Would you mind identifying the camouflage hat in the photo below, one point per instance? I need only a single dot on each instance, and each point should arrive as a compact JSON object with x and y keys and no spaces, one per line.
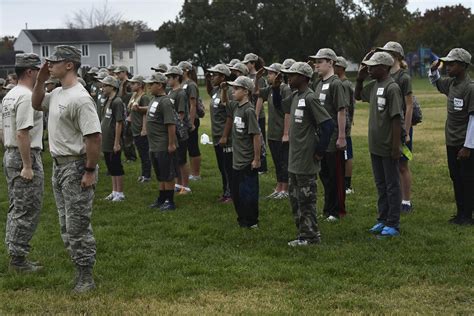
{"x":275,"y":67}
{"x":325,"y":53}
{"x":9,"y":86}
{"x":341,"y":62}
{"x":103,"y":69}
{"x":240,"y":67}
{"x":288,"y":63}
{"x":160,"y":67}
{"x":458,"y":54}
{"x":65,"y":52}
{"x":174,"y":70}
{"x":233,"y":62}
{"x":111,"y":67}
{"x":136,"y":78}
{"x":250,"y":57}
{"x":156,"y":78}
{"x":120,"y":69}
{"x":93,"y":70}
{"x":185,"y":66}
{"x":243,"y":82}
{"x":81,"y":81}
{"x":392,"y":47}
{"x":101,"y":75}
{"x":220,"y":68}
{"x":379,"y":58}
{"x":52,"y":80}
{"x":110,"y":81}
{"x":2,"y":82}
{"x":300,"y":68}
{"x":27,"y":61}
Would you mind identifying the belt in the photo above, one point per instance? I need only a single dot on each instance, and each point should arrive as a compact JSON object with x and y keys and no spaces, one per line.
{"x":61,"y":160}
{"x":16,"y":149}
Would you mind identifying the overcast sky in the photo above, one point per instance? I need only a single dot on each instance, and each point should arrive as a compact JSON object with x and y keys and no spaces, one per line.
{"x":40,"y":14}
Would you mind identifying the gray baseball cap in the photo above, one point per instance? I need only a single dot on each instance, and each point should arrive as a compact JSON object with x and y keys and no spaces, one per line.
{"x":120,"y":69}
{"x":101,"y":75}
{"x":174,"y":70}
{"x":379,"y":58}
{"x":160,"y":68}
{"x":136,"y":78}
{"x":392,"y":47}
{"x":325,"y":53}
{"x":220,"y":68}
{"x":300,"y":68}
{"x":66,"y":53}
{"x":288,"y":63}
{"x":250,"y":57}
{"x":458,"y":54}
{"x":275,"y":67}
{"x":233,"y":62}
{"x":156,"y":78}
{"x":185,"y":66}
{"x":341,"y":62}
{"x":243,"y":82}
{"x":93,"y":70}
{"x":110,"y":81}
{"x":27,"y":61}
{"x":240,"y":67}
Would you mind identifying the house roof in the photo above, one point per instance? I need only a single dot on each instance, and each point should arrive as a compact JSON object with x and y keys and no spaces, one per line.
{"x":58,"y":36}
{"x":146,"y":37}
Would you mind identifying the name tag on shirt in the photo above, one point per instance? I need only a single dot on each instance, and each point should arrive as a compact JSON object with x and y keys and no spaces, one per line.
{"x":216,"y":102}
{"x":380,"y":91}
{"x":458,"y":104}
{"x":301,"y":103}
{"x":299,"y":116}
{"x":322,"y":96}
{"x":153,"y":107}
{"x":185,"y":86}
{"x":381,"y":103}
{"x":325,"y":86}
{"x":108,"y":113}
{"x":239,"y":124}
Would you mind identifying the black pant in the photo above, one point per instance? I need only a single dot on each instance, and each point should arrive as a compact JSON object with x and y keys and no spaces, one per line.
{"x":462,"y":175}
{"x":332,"y":176}
{"x":193,"y":141}
{"x":224,"y":162}
{"x":263,"y":157}
{"x":280,"y":151}
{"x":387,"y":181}
{"x":245,"y":195}
{"x":143,"y":150}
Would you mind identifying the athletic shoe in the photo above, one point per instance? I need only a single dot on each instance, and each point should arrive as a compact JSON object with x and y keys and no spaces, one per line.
{"x":332,"y":219}
{"x":140,"y":179}
{"x":350,"y":191}
{"x":167,"y":206}
{"x":109,"y":197}
{"x":156,"y":204}
{"x":184,"y":191}
{"x":177,"y":187}
{"x":461,"y":221}
{"x":377,"y":228}
{"x":118,"y":198}
{"x":144,"y":179}
{"x":301,"y":242}
{"x":388,"y":231}
{"x":255,"y":226}
{"x":194,"y":178}
{"x":407,"y":208}
{"x":282,"y":195}
{"x":273,"y":195}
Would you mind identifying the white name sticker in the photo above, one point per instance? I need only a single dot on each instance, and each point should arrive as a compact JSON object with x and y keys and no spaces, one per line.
{"x":458,"y":104}
{"x":380,"y":91}
{"x":322,"y":96}
{"x":381,"y":103}
{"x":216,"y":102}
{"x":214,"y":96}
{"x":153,"y":107}
{"x":301,"y":103}
{"x":237,"y":120}
{"x":325,"y":86}
{"x":108,"y":113}
{"x":185,"y":86}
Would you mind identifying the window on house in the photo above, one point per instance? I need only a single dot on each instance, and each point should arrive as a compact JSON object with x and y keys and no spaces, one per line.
{"x":45,"y":51}
{"x":102,"y":60}
{"x":131,"y":70}
{"x":85,"y":50}
{"x":130,"y":54}
{"x":120,"y":55}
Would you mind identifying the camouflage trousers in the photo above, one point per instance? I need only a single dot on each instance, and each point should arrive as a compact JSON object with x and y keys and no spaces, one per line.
{"x":302,"y":191}
{"x":26,"y":199}
{"x":74,"y":205}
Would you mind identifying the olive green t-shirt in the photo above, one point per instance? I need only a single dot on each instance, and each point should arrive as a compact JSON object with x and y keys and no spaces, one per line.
{"x":306,"y":114}
{"x":135,"y":116}
{"x":276,"y":116}
{"x":244,"y":127}
{"x":114,"y":113}
{"x":349,"y":91}
{"x":262,"y":83}
{"x":386,"y":103}
{"x":331,"y":95}
{"x":180,"y":101}
{"x":403,"y":79}
{"x":160,"y":114}
{"x":460,"y":105}
{"x":219,"y":113}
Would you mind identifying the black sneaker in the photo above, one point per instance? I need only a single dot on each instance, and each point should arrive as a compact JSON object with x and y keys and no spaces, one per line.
{"x":167,"y":206}
{"x":407,"y":208}
{"x":156,"y":204}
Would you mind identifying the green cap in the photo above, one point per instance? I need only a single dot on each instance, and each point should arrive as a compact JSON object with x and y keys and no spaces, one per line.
{"x":174,"y":70}
{"x":27,"y":60}
{"x":458,"y":54}
{"x":325,"y":53}
{"x":120,"y":69}
{"x":93,"y":70}
{"x":341,"y":62}
{"x":220,"y":68}
{"x":379,"y":58}
{"x":185,"y":66}
{"x":110,"y":81}
{"x":233,"y":62}
{"x":243,"y":82}
{"x":275,"y":67}
{"x":288,"y":63}
{"x":156,"y":77}
{"x":300,"y":68}
{"x":250,"y":57}
{"x":240,"y":67}
{"x":392,"y":47}
{"x":160,"y":68}
{"x":136,"y":78}
{"x":66,"y":53}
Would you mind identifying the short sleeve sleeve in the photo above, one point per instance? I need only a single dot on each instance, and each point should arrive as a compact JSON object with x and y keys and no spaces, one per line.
{"x":192,"y":91}
{"x":168,"y":115}
{"x":318,"y":112}
{"x":252,"y":121}
{"x":118,"y":109}
{"x":264,"y":93}
{"x":24,"y":113}
{"x":394,"y":96}
{"x":405,"y":85}
{"x":340,"y":100}
{"x":87,"y":117}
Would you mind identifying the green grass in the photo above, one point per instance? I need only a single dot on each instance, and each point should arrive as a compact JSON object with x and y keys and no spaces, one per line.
{"x":196,"y":260}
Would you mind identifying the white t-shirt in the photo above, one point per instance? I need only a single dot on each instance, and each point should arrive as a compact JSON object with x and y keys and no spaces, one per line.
{"x":18,"y":114}
{"x":72,"y":115}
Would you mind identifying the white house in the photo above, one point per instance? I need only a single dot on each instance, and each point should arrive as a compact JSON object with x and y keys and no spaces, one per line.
{"x":125,"y":55}
{"x":147,"y":54}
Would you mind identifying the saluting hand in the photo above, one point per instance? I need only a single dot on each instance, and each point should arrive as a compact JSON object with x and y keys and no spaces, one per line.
{"x":43,"y":73}
{"x":224,"y":85}
{"x":259,"y":74}
{"x":277,"y":81}
{"x":435,"y":65}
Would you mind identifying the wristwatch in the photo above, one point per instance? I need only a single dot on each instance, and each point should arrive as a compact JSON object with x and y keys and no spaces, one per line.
{"x":89,"y":169}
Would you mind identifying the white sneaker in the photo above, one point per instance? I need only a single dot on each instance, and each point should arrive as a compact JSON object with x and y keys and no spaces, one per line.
{"x":350,"y":191}
{"x":177,"y":187}
{"x":298,"y":242}
{"x":331,"y":219}
{"x":194,"y":178}
{"x":273,"y":195}
{"x":109,"y":197}
{"x":282,"y":195}
{"x":119,"y":198}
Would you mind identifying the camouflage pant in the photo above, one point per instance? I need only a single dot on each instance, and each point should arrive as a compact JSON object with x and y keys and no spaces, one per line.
{"x":302,"y":190}
{"x":26,"y":199}
{"x":74,"y":209}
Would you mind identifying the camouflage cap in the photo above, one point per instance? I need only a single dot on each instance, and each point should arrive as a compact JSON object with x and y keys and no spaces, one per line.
{"x":2,"y":82}
{"x":243,"y":82}
{"x":160,"y":67}
{"x":300,"y":68}
{"x":341,"y":62}
{"x":379,"y":58}
{"x":156,"y":78}
{"x":233,"y":62}
{"x":27,"y":60}
{"x":392,"y":47}
{"x":275,"y":67}
{"x":52,"y":80}
{"x":458,"y":54}
{"x":185,"y":66}
{"x":288,"y":63}
{"x":120,"y":69}
{"x":81,"y":81}
{"x":93,"y":70}
{"x":9,"y":86}
{"x":101,"y":74}
{"x":136,"y":78}
{"x":111,"y":67}
{"x":65,"y":52}
{"x":110,"y":81}
{"x":240,"y":67}
{"x":174,"y":70}
{"x":220,"y":68}
{"x":325,"y":53}
{"x":250,"y":57}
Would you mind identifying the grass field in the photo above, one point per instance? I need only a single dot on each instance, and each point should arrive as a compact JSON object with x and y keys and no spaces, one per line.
{"x":196,"y":260}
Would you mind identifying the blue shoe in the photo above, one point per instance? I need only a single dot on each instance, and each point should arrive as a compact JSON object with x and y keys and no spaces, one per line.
{"x":377,"y":228}
{"x":167,"y":206}
{"x":390,"y":232}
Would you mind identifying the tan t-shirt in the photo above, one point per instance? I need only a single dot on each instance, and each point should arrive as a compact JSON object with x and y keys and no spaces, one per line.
{"x":18,"y":114}
{"x":72,"y":115}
